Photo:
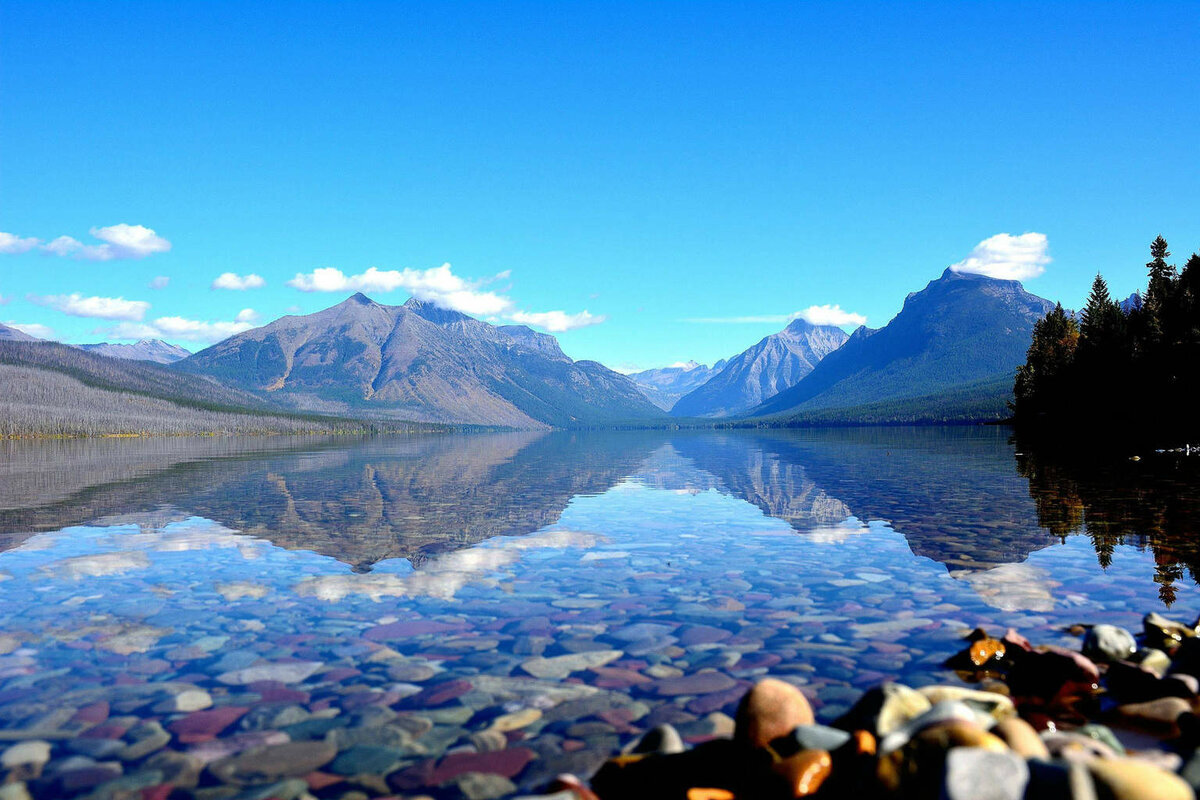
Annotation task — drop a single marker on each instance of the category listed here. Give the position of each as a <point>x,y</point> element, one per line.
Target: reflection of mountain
<point>737,464</point>
<point>359,502</point>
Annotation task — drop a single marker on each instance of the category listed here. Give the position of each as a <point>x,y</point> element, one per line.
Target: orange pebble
<point>699,793</point>
<point>986,650</point>
<point>806,771</point>
<point>864,743</point>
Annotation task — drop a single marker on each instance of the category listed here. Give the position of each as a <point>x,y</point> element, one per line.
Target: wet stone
<point>695,683</point>
<point>364,758</point>
<point>977,774</point>
<point>265,764</point>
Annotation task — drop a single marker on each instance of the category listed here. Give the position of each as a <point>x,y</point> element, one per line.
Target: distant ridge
<point>961,330</point>
<point>155,350</point>
<point>776,363</point>
<point>10,334</point>
<point>422,362</point>
<point>665,385</point>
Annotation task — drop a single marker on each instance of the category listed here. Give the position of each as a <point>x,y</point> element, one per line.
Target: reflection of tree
<point>1149,504</point>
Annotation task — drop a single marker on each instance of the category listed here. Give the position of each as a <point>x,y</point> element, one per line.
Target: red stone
<point>276,692</point>
<point>93,714</point>
<point>572,745</point>
<point>508,763</point>
<point>104,732</point>
<point>319,780</point>
<point>201,726</point>
<point>406,629</point>
<point>160,792</point>
<point>706,704</point>
<point>439,694</point>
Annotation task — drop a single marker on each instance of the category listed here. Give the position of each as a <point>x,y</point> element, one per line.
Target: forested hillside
<point>55,390</point>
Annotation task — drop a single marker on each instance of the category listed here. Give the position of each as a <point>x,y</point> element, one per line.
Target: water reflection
<point>959,496</point>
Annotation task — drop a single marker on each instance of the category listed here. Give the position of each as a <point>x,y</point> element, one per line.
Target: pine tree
<point>1096,313</point>
<point>1051,353</point>
<point>1158,293</point>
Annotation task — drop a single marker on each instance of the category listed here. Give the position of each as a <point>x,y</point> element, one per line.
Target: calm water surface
<point>469,615</point>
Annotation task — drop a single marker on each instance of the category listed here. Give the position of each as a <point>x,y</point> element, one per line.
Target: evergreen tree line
<point>1133,369</point>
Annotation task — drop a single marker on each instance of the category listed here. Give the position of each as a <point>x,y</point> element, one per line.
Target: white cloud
<point>179,328</point>
<point>33,329</point>
<point>246,315</point>
<point>816,315</point>
<point>437,285</point>
<point>97,307</point>
<point>830,315</point>
<point>1006,256</point>
<point>239,283</point>
<point>120,241</point>
<point>159,282</point>
<point>556,321</point>
<point>440,286</point>
<point>11,244</point>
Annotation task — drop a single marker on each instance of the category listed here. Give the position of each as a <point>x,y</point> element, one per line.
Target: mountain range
<point>959,330</point>
<point>664,386</point>
<point>948,355</point>
<point>155,350</point>
<point>777,362</point>
<point>420,362</point>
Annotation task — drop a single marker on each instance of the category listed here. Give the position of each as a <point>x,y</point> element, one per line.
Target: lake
<point>469,615</point>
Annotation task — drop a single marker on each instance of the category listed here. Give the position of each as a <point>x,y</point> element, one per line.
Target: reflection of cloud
<point>444,575</point>
<point>1012,587</point>
<point>836,534</point>
<point>94,566</point>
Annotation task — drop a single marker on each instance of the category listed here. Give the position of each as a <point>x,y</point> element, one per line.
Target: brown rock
<point>1157,716</point>
<point>771,709</point>
<point>1021,737</point>
<point>986,651</point>
<point>1127,779</point>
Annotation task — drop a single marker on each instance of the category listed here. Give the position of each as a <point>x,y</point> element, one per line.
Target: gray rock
<point>945,711</point>
<point>1109,643</point>
<point>364,759</point>
<point>973,773</point>
<point>33,752</point>
<point>662,739</point>
<point>485,786</point>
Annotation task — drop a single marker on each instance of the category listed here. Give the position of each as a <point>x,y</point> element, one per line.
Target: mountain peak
<point>358,298</point>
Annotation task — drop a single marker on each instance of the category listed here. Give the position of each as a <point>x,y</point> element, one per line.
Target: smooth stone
<point>1159,716</point>
<point>266,764</point>
<point>14,791</point>
<point>186,701</point>
<point>508,763</point>
<point>706,682</point>
<point>415,673</point>
<point>201,725</point>
<point>819,737</point>
<point>1021,737</point>
<point>772,708</point>
<point>1074,746</point>
<point>884,708</point>
<point>974,773</point>
<point>663,739</point>
<point>484,786</point>
<point>178,769</point>
<point>1108,643</point>
<point>146,738</point>
<point>1101,733</point>
<point>944,713</point>
<point>489,740</point>
<point>1153,659</point>
<point>559,667</point>
<point>516,720</point>
<point>1164,634</point>
<point>33,752</point>
<point>367,759</point>
<point>283,672</point>
<point>641,630</point>
<point>1128,779</point>
<point>996,706</point>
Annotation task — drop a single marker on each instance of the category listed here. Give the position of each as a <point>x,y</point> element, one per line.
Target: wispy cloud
<point>33,329</point>
<point>11,244</point>
<point>121,241</point>
<point>1008,257</point>
<point>815,315</point>
<point>95,307</point>
<point>556,321</point>
<point>179,328</point>
<point>238,283</point>
<point>440,286</point>
<point>159,282</point>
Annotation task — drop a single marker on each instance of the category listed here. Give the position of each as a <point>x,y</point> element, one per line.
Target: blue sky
<point>650,164</point>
